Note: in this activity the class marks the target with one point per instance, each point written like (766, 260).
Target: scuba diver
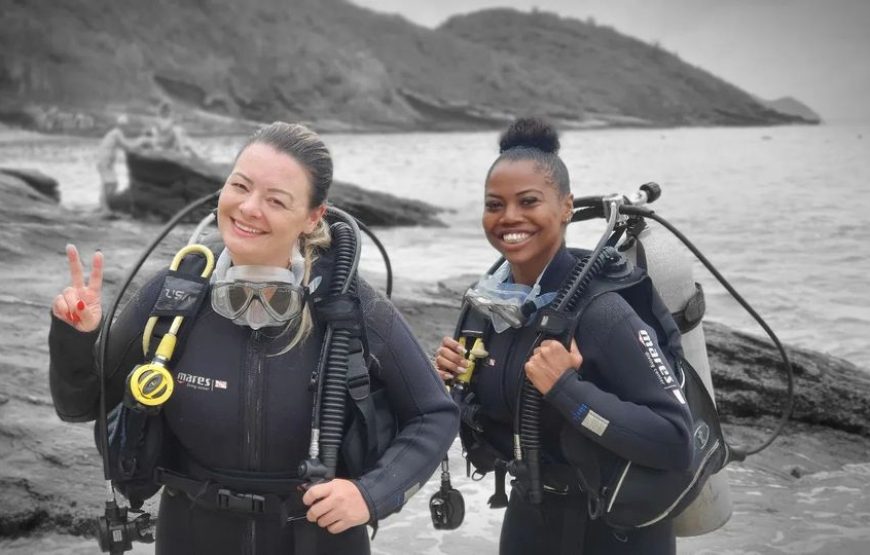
(605, 382)
(259, 443)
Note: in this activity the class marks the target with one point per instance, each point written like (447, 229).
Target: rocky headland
(71, 68)
(805, 490)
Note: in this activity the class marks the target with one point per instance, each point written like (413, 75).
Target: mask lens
(282, 301)
(238, 298)
(511, 314)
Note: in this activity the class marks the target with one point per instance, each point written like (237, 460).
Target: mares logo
(658, 366)
(199, 382)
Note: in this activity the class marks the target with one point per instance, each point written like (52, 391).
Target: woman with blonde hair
(257, 344)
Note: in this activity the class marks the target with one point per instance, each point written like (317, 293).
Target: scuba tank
(671, 271)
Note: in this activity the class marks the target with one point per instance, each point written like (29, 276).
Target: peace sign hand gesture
(79, 305)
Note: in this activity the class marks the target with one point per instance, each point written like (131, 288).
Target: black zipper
(254, 404)
(253, 423)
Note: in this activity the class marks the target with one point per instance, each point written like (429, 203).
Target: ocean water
(782, 212)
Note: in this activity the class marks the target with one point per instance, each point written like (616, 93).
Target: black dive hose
(527, 460)
(735, 454)
(332, 411)
(365, 229)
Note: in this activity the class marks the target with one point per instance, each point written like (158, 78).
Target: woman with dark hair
(602, 387)
(239, 419)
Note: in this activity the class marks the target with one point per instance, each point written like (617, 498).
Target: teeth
(247, 229)
(515, 237)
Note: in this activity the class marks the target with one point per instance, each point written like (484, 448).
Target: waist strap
(214, 495)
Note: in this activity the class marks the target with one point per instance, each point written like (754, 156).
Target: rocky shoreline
(50, 478)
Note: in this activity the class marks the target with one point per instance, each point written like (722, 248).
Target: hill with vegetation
(615, 77)
(73, 66)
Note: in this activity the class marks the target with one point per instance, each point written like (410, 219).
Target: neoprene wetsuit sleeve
(72, 373)
(625, 396)
(428, 418)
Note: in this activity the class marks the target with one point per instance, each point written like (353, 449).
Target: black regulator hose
(531, 400)
(333, 404)
(389, 267)
(735, 454)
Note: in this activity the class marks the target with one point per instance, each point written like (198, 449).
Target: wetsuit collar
(558, 267)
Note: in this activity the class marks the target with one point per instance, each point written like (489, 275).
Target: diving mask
(259, 296)
(507, 304)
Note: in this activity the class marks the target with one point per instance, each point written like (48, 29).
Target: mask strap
(297, 264)
(221, 266)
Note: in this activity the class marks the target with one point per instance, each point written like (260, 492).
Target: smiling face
(264, 207)
(524, 217)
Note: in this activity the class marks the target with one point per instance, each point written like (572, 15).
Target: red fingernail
(80, 305)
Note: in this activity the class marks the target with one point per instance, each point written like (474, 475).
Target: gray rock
(161, 183)
(750, 382)
(35, 179)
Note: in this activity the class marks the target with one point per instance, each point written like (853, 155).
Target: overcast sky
(817, 51)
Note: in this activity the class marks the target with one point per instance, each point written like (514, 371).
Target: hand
(336, 505)
(450, 359)
(549, 361)
(79, 305)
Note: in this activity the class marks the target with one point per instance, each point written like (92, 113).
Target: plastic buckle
(240, 502)
(555, 324)
(358, 381)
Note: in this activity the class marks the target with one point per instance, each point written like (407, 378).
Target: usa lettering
(175, 294)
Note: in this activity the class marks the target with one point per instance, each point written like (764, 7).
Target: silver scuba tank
(670, 268)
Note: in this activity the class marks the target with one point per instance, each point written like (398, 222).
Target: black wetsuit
(615, 399)
(238, 409)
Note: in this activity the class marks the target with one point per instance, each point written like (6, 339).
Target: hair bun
(530, 133)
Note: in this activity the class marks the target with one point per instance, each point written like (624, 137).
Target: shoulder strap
(182, 293)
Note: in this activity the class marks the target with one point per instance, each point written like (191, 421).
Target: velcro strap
(340, 312)
(692, 314)
(180, 295)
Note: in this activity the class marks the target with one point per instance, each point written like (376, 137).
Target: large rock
(750, 382)
(161, 183)
(35, 179)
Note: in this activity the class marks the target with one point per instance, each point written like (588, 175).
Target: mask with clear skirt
(507, 304)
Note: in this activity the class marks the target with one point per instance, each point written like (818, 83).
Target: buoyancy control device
(627, 228)
(130, 438)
